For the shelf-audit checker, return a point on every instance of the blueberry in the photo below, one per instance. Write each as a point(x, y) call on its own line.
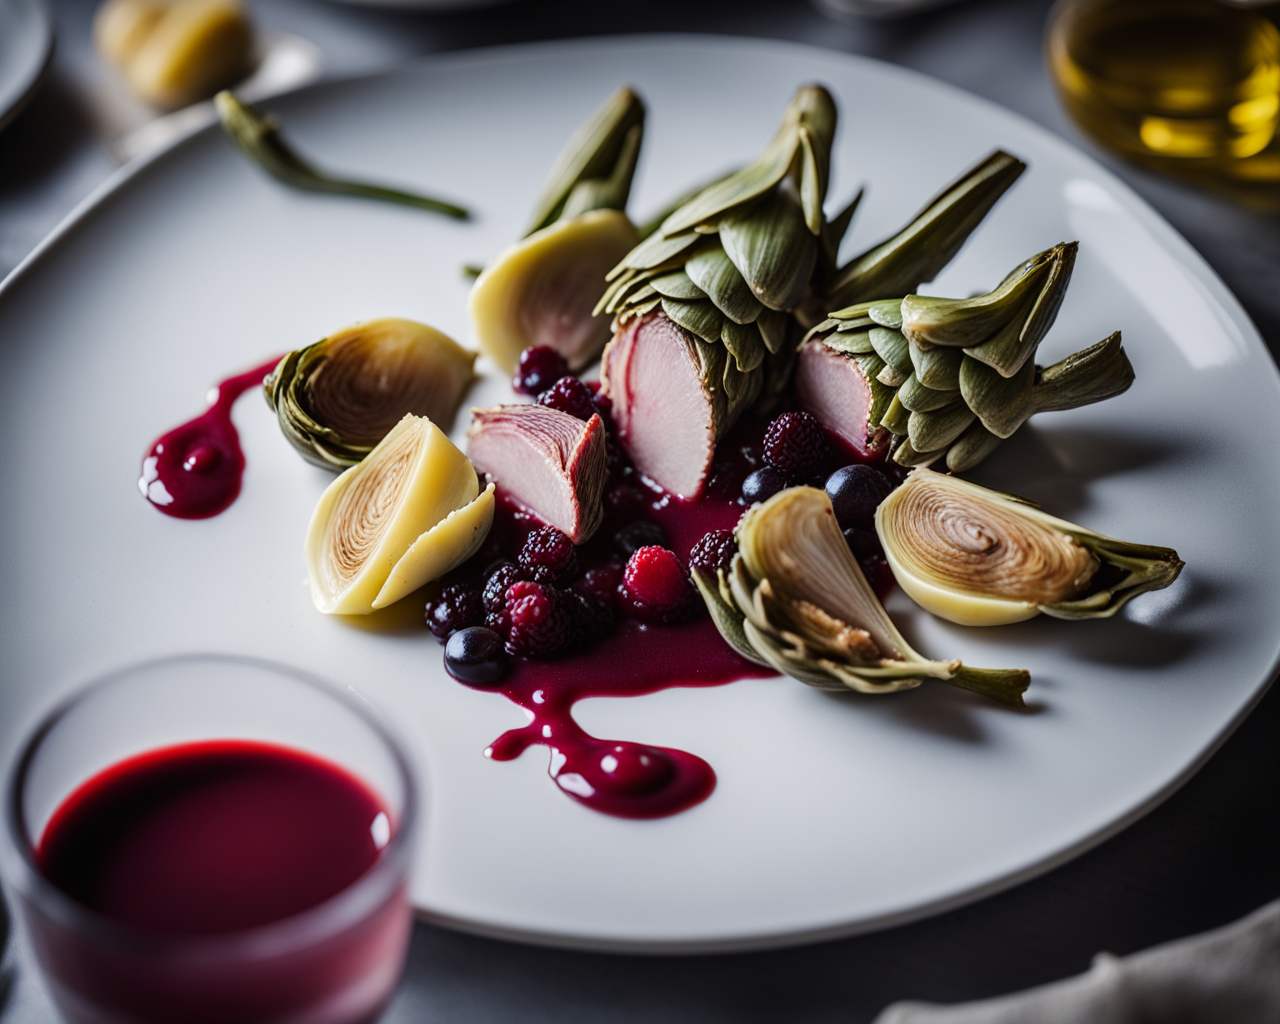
point(855, 492)
point(640, 534)
point(476, 655)
point(764, 483)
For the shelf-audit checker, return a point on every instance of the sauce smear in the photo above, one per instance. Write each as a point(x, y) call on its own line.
point(213, 837)
point(194, 471)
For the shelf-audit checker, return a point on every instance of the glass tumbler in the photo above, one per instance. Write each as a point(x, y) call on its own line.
point(1183, 85)
point(335, 963)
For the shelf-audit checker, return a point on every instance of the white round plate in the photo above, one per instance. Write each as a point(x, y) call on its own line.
point(26, 44)
point(833, 814)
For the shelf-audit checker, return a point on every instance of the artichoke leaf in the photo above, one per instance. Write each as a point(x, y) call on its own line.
point(933, 431)
point(854, 343)
point(917, 253)
point(772, 247)
point(676, 284)
point(892, 347)
point(700, 318)
point(970, 448)
point(605, 143)
point(918, 398)
point(744, 344)
point(714, 273)
point(891, 376)
point(980, 557)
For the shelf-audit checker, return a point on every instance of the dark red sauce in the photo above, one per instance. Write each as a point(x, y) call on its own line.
point(194, 471)
point(616, 777)
point(212, 837)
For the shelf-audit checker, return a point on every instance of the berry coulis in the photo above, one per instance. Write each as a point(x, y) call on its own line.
point(617, 777)
point(194, 471)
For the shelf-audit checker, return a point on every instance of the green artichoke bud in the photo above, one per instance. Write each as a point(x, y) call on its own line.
point(729, 264)
point(961, 371)
point(338, 398)
point(795, 599)
point(983, 558)
point(258, 136)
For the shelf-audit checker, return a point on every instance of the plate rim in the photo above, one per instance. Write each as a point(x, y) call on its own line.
point(1163, 233)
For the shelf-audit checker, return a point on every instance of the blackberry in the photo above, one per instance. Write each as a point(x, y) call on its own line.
point(548, 556)
point(541, 623)
point(539, 367)
point(458, 606)
point(592, 618)
point(714, 551)
point(476, 655)
point(796, 445)
point(570, 395)
point(495, 587)
point(601, 583)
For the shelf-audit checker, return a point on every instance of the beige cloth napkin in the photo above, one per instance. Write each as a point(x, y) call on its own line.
point(1228, 976)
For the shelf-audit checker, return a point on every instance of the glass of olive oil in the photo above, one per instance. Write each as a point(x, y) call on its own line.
point(1184, 85)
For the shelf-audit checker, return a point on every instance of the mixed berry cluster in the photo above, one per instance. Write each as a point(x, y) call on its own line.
point(539, 596)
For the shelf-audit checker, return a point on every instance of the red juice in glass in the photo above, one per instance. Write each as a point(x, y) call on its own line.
point(253, 870)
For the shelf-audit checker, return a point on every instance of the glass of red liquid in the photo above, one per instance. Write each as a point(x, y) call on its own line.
point(213, 839)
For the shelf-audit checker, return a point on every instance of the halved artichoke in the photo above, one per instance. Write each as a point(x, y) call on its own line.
point(795, 599)
point(336, 399)
point(984, 558)
point(543, 289)
point(406, 515)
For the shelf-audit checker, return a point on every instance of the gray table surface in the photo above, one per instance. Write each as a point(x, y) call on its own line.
point(1210, 854)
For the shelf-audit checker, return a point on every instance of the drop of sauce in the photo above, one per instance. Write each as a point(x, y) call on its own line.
point(194, 471)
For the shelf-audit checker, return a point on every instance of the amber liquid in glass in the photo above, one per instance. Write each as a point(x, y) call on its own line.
point(1173, 82)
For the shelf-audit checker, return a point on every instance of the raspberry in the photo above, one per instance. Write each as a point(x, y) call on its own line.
point(540, 366)
point(570, 395)
point(592, 618)
point(548, 556)
point(640, 534)
point(604, 405)
point(541, 623)
point(796, 445)
point(457, 607)
point(655, 587)
point(714, 551)
point(495, 587)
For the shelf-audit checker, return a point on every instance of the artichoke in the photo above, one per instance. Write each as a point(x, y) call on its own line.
point(338, 398)
point(954, 377)
point(258, 137)
point(984, 558)
point(406, 515)
point(542, 289)
point(918, 252)
point(795, 599)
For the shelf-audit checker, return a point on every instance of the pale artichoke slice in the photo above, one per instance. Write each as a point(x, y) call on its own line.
point(406, 515)
point(542, 290)
point(795, 599)
point(336, 399)
point(983, 558)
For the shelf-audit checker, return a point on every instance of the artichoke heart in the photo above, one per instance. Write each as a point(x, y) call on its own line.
point(795, 599)
point(982, 558)
point(542, 290)
point(406, 515)
point(336, 399)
